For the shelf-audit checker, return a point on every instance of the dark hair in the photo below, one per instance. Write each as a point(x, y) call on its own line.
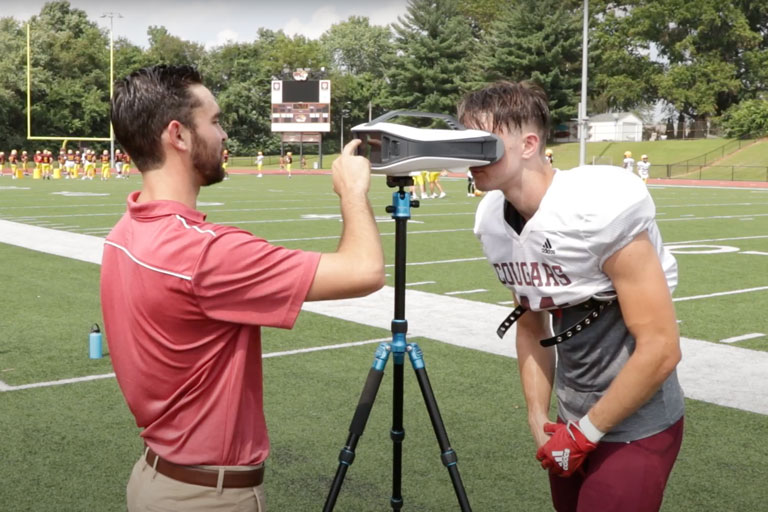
point(145, 102)
point(510, 105)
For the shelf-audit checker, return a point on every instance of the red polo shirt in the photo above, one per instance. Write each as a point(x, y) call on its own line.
point(183, 301)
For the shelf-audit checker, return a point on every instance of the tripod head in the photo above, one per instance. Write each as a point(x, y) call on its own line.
point(397, 149)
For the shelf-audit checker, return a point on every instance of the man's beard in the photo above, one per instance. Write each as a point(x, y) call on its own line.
point(207, 161)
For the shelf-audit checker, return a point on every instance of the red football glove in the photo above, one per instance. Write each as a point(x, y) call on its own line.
point(566, 450)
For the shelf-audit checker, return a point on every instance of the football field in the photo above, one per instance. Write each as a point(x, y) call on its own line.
point(69, 441)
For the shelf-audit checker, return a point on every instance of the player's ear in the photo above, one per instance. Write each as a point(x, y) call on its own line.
point(531, 144)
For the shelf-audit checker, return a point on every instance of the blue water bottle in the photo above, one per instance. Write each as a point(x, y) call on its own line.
point(94, 342)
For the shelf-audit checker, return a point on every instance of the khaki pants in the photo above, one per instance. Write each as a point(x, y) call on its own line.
point(150, 491)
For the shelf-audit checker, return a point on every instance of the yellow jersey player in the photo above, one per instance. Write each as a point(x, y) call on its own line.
point(37, 170)
point(259, 162)
point(13, 160)
point(126, 165)
point(225, 162)
point(106, 171)
point(288, 162)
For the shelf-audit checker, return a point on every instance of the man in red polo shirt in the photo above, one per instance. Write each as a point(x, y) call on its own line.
point(184, 299)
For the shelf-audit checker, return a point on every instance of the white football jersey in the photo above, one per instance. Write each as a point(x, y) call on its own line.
point(629, 164)
point(643, 168)
point(586, 215)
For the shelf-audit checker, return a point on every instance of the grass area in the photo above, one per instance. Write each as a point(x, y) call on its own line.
point(71, 447)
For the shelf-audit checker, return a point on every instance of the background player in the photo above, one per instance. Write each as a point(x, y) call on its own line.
point(644, 168)
point(259, 163)
point(629, 162)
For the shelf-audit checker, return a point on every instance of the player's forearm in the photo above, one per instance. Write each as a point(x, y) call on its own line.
point(537, 372)
point(642, 376)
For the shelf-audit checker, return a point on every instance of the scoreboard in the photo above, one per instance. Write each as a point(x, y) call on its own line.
point(301, 106)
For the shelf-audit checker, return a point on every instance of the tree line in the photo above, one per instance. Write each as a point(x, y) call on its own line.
point(703, 61)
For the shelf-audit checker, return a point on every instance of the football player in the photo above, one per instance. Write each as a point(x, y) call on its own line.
point(2, 163)
point(259, 163)
point(105, 168)
point(644, 168)
point(629, 162)
point(288, 162)
point(581, 248)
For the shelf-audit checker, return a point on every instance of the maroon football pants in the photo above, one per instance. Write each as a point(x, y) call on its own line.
point(626, 477)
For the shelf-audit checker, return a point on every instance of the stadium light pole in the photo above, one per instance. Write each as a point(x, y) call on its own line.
point(111, 16)
point(583, 105)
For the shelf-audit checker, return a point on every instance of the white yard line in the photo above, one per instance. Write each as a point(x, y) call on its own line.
point(721, 294)
point(6, 387)
point(325, 347)
point(743, 337)
point(57, 382)
point(465, 292)
point(436, 262)
point(711, 372)
point(730, 239)
point(713, 217)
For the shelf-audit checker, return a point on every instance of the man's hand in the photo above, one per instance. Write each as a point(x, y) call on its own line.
point(351, 173)
point(566, 450)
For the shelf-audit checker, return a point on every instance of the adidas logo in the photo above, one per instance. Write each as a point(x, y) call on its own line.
point(546, 248)
point(561, 457)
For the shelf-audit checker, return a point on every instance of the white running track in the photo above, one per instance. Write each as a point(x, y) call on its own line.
point(712, 372)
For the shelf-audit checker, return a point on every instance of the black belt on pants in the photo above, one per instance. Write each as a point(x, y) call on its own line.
point(205, 477)
point(593, 306)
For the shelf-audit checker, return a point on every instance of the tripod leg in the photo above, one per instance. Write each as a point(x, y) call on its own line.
point(397, 434)
point(356, 428)
point(447, 455)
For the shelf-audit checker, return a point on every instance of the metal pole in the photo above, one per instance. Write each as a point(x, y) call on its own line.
point(111, 16)
point(583, 105)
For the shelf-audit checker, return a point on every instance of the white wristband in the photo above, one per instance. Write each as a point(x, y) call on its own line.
point(589, 430)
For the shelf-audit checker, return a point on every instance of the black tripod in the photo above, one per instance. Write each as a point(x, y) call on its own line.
point(401, 212)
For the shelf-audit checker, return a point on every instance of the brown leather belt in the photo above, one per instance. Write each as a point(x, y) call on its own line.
point(205, 477)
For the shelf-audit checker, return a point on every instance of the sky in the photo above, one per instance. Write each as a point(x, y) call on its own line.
point(213, 23)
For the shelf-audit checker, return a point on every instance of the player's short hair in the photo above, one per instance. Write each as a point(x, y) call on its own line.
point(145, 102)
point(511, 105)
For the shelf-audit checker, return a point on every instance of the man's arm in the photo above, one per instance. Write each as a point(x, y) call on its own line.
point(649, 314)
point(357, 266)
point(537, 369)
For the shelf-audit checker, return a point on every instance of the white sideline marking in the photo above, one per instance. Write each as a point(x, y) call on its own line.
point(711, 372)
point(743, 337)
point(720, 294)
point(60, 243)
point(463, 292)
point(758, 253)
point(419, 283)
